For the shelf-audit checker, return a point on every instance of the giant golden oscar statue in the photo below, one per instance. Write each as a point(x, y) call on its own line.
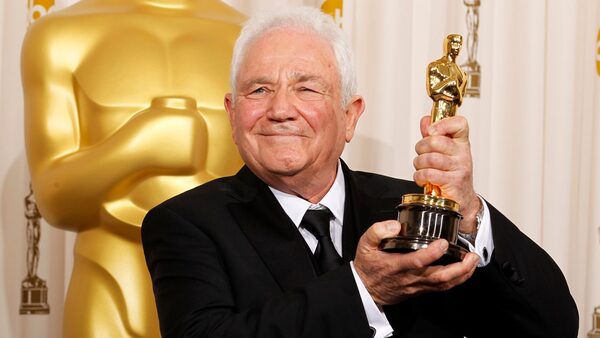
point(123, 109)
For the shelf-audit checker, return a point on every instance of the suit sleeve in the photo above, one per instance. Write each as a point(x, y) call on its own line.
point(195, 298)
point(522, 292)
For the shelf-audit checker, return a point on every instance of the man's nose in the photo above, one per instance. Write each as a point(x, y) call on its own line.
point(282, 106)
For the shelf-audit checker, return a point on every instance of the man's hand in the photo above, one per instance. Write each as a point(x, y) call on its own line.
point(393, 277)
point(444, 159)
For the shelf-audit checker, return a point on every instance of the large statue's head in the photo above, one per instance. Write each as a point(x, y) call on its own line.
point(452, 45)
point(292, 106)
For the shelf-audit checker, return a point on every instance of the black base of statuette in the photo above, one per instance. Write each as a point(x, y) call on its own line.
point(425, 219)
point(454, 253)
point(34, 297)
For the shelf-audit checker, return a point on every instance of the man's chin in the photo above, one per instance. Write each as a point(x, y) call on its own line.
point(284, 169)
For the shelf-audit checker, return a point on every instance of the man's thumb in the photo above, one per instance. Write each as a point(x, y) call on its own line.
point(380, 230)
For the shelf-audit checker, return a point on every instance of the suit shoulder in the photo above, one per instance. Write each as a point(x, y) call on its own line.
point(217, 192)
point(380, 182)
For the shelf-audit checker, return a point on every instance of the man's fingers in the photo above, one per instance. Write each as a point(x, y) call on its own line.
point(471, 260)
point(436, 143)
point(422, 258)
point(456, 273)
point(435, 176)
point(455, 127)
point(378, 231)
point(393, 277)
point(434, 161)
point(425, 122)
point(442, 278)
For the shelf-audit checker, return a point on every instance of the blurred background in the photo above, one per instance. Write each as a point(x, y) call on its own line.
point(534, 119)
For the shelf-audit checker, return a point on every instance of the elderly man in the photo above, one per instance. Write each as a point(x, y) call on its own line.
point(288, 247)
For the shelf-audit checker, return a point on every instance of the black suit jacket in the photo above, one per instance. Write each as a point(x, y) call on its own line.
point(226, 261)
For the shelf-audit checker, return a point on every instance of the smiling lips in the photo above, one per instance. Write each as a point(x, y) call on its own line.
point(281, 131)
point(281, 135)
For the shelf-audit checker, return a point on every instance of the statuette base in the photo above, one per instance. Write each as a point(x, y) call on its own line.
point(34, 296)
point(425, 219)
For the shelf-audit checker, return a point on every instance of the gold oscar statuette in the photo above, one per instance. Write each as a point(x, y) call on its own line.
point(595, 333)
point(471, 66)
point(429, 216)
point(34, 292)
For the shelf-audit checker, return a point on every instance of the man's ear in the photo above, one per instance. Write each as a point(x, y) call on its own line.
point(354, 110)
point(229, 107)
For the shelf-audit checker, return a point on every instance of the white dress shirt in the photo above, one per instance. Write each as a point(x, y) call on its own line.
point(295, 207)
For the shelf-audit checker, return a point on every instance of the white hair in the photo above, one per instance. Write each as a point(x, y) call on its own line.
point(304, 18)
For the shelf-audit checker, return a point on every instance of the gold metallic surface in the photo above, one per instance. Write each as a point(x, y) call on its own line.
point(446, 84)
point(598, 53)
point(471, 66)
point(335, 8)
point(38, 8)
point(34, 292)
point(430, 200)
point(595, 332)
point(123, 109)
point(427, 217)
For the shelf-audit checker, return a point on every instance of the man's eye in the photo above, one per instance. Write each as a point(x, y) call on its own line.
point(309, 94)
point(257, 93)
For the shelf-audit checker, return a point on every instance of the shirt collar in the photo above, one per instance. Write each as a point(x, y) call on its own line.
point(295, 207)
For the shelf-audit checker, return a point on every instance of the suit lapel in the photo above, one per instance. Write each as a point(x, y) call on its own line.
point(363, 207)
point(277, 240)
point(271, 232)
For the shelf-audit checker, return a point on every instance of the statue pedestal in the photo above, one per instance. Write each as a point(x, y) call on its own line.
point(34, 296)
point(595, 333)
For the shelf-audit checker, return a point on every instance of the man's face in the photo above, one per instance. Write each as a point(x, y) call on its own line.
point(287, 116)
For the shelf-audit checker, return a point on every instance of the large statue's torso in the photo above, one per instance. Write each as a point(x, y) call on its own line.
point(119, 58)
point(120, 61)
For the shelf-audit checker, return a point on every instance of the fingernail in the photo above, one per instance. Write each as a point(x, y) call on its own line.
point(473, 259)
point(393, 227)
point(431, 130)
point(442, 245)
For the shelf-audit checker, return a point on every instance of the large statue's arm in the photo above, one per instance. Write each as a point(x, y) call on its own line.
point(71, 180)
